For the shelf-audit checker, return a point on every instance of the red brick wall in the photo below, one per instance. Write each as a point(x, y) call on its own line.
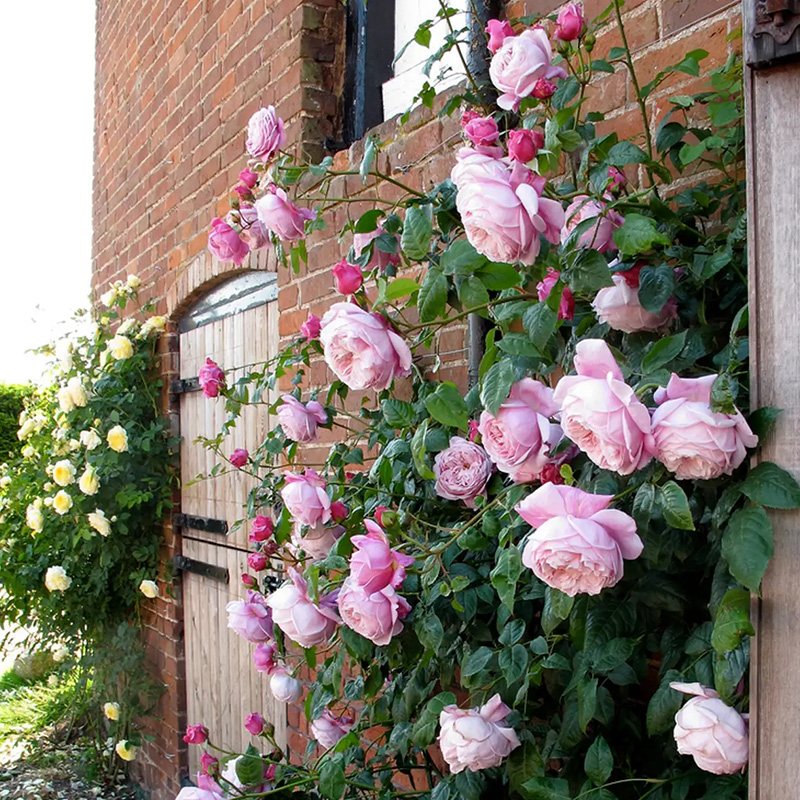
point(176, 83)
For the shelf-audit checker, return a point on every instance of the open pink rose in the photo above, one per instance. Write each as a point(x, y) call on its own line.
point(375, 616)
point(281, 215)
point(211, 378)
point(196, 734)
point(362, 349)
point(328, 729)
point(498, 32)
point(518, 439)
point(251, 619)
point(619, 307)
point(264, 658)
point(519, 64)
point(579, 543)
point(238, 457)
point(693, 441)
point(379, 258)
point(254, 233)
point(285, 688)
point(299, 422)
point(225, 243)
point(374, 564)
point(502, 207)
point(462, 471)
point(599, 236)
point(298, 617)
point(316, 542)
point(311, 327)
point(524, 144)
point(566, 308)
point(305, 498)
point(710, 731)
point(348, 277)
point(601, 414)
point(482, 130)
point(265, 134)
point(570, 23)
point(254, 723)
point(207, 789)
point(476, 738)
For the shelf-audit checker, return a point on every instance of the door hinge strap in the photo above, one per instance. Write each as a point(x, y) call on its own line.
point(206, 524)
point(185, 385)
point(184, 564)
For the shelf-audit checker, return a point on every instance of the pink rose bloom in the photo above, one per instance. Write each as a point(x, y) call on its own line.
point(482, 130)
point(339, 511)
point(498, 32)
point(543, 89)
point(300, 619)
point(257, 561)
point(265, 134)
point(348, 277)
point(225, 243)
point(570, 24)
point(502, 208)
point(305, 498)
point(208, 763)
point(254, 723)
point(601, 414)
point(248, 178)
point(519, 64)
point(599, 236)
point(361, 348)
point(566, 308)
point(524, 144)
point(299, 422)
point(518, 438)
point(379, 259)
point(238, 457)
point(476, 738)
point(284, 688)
point(254, 233)
point(196, 734)
point(328, 729)
point(211, 377)
point(462, 471)
point(316, 542)
point(243, 191)
point(376, 616)
point(616, 177)
point(619, 307)
point(311, 327)
point(264, 658)
point(692, 441)
point(281, 215)
point(579, 542)
point(251, 619)
point(207, 789)
point(261, 529)
point(710, 731)
point(374, 564)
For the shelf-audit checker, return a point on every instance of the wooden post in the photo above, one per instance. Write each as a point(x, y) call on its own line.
point(772, 92)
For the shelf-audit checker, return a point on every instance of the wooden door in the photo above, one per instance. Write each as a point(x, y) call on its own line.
point(236, 325)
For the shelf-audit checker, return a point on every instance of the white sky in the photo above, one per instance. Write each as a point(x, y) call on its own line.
point(47, 96)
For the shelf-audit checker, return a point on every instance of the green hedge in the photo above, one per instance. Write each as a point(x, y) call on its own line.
point(11, 402)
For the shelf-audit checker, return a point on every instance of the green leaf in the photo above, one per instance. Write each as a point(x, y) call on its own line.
point(331, 776)
point(769, 485)
point(432, 295)
point(513, 663)
point(624, 153)
point(496, 385)
point(663, 705)
point(447, 406)
point(368, 221)
point(417, 230)
point(598, 762)
point(250, 770)
point(400, 288)
point(539, 322)
point(418, 453)
point(473, 294)
point(762, 420)
point(732, 621)
point(513, 631)
point(599, 65)
point(656, 285)
point(476, 661)
point(523, 764)
point(663, 351)
point(496, 276)
point(545, 789)
point(429, 631)
point(505, 575)
point(747, 546)
point(691, 152)
point(557, 606)
point(638, 234)
point(518, 344)
point(722, 400)
point(587, 702)
point(570, 140)
point(397, 413)
point(422, 35)
point(669, 135)
point(675, 505)
point(461, 258)
point(589, 272)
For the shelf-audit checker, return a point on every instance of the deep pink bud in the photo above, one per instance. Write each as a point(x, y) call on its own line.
point(338, 510)
point(211, 378)
point(208, 764)
point(269, 549)
point(243, 191)
point(311, 327)
point(239, 457)
point(254, 723)
point(378, 514)
point(248, 178)
point(498, 32)
point(348, 277)
point(474, 426)
point(570, 23)
point(196, 734)
point(261, 529)
point(551, 473)
point(544, 88)
point(482, 131)
point(248, 580)
point(469, 115)
point(264, 658)
point(524, 144)
point(269, 773)
point(257, 561)
point(616, 177)
point(566, 308)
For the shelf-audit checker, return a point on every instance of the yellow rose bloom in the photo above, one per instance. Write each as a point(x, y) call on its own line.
point(57, 580)
point(120, 348)
point(26, 429)
point(117, 439)
point(77, 392)
point(34, 518)
point(153, 324)
point(62, 503)
point(125, 750)
point(111, 710)
point(89, 482)
point(99, 521)
point(64, 473)
point(65, 401)
point(133, 282)
point(149, 589)
point(90, 439)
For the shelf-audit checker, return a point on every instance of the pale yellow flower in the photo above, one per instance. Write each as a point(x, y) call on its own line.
point(28, 451)
point(57, 580)
point(125, 750)
point(63, 473)
point(99, 521)
point(120, 348)
point(5, 481)
point(26, 429)
point(126, 327)
point(77, 392)
point(90, 439)
point(65, 401)
point(60, 652)
point(108, 298)
point(48, 487)
point(153, 324)
point(111, 710)
point(117, 439)
point(133, 282)
point(62, 503)
point(89, 482)
point(149, 589)
point(34, 518)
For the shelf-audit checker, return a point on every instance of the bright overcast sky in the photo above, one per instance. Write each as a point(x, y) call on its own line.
point(47, 91)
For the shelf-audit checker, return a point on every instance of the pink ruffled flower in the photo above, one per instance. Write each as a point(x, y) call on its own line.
point(599, 236)
point(482, 130)
point(502, 207)
point(207, 789)
point(316, 542)
point(261, 529)
point(339, 511)
point(254, 723)
point(579, 543)
point(328, 729)
point(225, 243)
point(524, 144)
point(211, 378)
point(692, 441)
point(379, 258)
point(519, 64)
point(570, 23)
point(519, 437)
point(208, 763)
point(248, 178)
point(305, 498)
point(375, 616)
point(264, 658)
point(462, 471)
point(713, 733)
point(311, 327)
point(566, 308)
point(254, 232)
point(361, 348)
point(299, 422)
point(257, 561)
point(348, 277)
point(251, 619)
point(196, 734)
point(601, 414)
point(374, 564)
point(304, 622)
point(498, 32)
point(281, 215)
point(265, 134)
point(543, 89)
point(476, 738)
point(239, 457)
point(618, 306)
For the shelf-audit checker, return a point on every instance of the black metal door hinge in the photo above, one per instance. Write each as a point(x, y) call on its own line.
point(185, 385)
point(184, 564)
point(206, 524)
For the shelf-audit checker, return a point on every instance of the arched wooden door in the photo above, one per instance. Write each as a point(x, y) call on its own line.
point(236, 325)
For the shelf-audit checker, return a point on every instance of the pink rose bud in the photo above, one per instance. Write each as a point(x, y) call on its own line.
point(328, 729)
point(476, 738)
point(225, 243)
point(710, 731)
point(498, 32)
point(269, 549)
point(338, 511)
point(474, 430)
point(250, 619)
point(601, 414)
point(264, 658)
point(374, 615)
point(599, 236)
point(281, 215)
point(265, 134)
point(248, 580)
point(482, 131)
point(462, 471)
point(261, 529)
point(551, 473)
point(566, 308)
point(196, 734)
point(248, 178)
point(208, 764)
point(284, 688)
point(239, 457)
point(254, 723)
point(243, 191)
point(211, 378)
point(524, 144)
point(578, 543)
point(257, 561)
point(311, 327)
point(374, 564)
point(469, 115)
point(299, 422)
point(570, 24)
point(348, 277)
point(384, 516)
point(616, 177)
point(543, 89)
point(305, 498)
